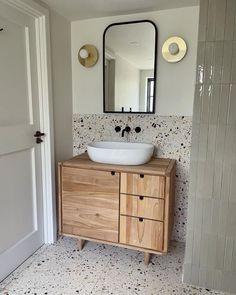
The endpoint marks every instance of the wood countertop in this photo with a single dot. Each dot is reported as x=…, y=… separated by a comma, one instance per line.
x=156, y=166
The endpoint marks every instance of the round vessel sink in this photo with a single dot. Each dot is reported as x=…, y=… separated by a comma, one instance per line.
x=120, y=153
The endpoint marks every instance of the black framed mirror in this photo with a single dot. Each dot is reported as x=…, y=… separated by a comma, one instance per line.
x=129, y=67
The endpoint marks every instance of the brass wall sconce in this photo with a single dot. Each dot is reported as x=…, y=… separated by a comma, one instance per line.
x=88, y=55
x=174, y=49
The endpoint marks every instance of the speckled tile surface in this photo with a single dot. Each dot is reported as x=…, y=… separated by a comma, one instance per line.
x=60, y=269
x=170, y=135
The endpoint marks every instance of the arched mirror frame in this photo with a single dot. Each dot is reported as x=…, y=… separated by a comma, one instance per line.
x=155, y=66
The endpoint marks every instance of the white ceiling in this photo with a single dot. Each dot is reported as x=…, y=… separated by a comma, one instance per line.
x=83, y=9
x=134, y=43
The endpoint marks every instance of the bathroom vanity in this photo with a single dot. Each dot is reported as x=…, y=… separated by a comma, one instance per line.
x=127, y=206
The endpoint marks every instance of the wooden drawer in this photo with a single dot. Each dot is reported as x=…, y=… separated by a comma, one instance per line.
x=139, y=206
x=144, y=185
x=90, y=203
x=145, y=233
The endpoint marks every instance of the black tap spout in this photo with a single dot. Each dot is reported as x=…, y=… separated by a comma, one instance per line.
x=126, y=129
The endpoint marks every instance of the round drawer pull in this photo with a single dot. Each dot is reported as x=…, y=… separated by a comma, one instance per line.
x=140, y=198
x=141, y=175
x=113, y=173
x=140, y=219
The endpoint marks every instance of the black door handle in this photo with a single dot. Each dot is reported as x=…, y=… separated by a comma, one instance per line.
x=39, y=134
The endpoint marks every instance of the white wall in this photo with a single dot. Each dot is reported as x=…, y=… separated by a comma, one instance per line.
x=126, y=85
x=62, y=85
x=175, y=82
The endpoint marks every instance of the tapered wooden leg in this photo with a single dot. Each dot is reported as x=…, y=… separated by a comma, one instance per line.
x=147, y=257
x=81, y=244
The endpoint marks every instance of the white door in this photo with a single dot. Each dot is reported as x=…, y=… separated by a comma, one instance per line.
x=21, y=208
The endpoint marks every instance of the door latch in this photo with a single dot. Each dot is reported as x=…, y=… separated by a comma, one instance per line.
x=38, y=136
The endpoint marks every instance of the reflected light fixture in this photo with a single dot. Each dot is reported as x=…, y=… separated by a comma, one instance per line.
x=134, y=43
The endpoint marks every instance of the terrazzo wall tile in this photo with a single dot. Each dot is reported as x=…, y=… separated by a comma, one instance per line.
x=170, y=135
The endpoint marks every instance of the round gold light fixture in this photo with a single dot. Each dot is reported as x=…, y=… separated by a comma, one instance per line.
x=88, y=55
x=174, y=49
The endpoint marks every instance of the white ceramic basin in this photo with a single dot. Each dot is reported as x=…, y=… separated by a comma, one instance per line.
x=120, y=153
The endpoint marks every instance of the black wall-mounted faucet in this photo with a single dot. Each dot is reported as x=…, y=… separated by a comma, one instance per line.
x=126, y=129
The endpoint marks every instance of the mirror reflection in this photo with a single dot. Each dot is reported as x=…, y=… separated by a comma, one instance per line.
x=129, y=67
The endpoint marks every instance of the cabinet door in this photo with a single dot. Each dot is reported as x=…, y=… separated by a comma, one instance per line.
x=143, y=185
x=142, y=233
x=90, y=203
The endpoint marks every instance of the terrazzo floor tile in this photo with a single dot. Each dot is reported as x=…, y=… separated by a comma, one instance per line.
x=61, y=269
x=26, y=264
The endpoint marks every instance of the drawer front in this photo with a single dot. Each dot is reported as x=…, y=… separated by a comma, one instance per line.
x=144, y=185
x=146, y=234
x=139, y=206
x=90, y=203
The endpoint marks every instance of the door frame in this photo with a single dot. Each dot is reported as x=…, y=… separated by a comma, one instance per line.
x=41, y=16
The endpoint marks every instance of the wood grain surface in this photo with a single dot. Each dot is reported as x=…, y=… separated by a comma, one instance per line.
x=90, y=203
x=139, y=206
x=156, y=166
x=145, y=233
x=142, y=185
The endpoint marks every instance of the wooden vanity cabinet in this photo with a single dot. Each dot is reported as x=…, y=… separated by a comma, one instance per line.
x=128, y=206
